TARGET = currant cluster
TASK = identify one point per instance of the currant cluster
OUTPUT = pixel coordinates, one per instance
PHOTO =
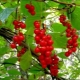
(44, 45)
(54, 65)
(19, 37)
(44, 49)
(19, 24)
(31, 8)
(71, 35)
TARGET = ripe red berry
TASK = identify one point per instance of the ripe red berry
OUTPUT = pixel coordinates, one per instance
(54, 56)
(42, 33)
(16, 38)
(70, 51)
(73, 31)
(68, 30)
(73, 49)
(23, 50)
(50, 42)
(37, 50)
(43, 49)
(63, 17)
(68, 35)
(17, 27)
(74, 38)
(33, 13)
(50, 48)
(44, 66)
(37, 38)
(48, 37)
(15, 22)
(13, 45)
(48, 53)
(54, 61)
(44, 38)
(43, 43)
(23, 25)
(54, 72)
(27, 6)
(37, 24)
(70, 41)
(31, 7)
(41, 57)
(75, 44)
(68, 25)
(19, 54)
(48, 60)
(21, 37)
(67, 54)
(37, 31)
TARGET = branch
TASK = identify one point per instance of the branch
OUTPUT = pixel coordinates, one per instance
(8, 34)
(71, 4)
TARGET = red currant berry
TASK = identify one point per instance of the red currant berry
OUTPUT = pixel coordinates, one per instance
(19, 54)
(37, 31)
(27, 6)
(50, 42)
(48, 53)
(67, 54)
(68, 25)
(23, 50)
(37, 38)
(15, 22)
(73, 49)
(68, 35)
(68, 30)
(48, 37)
(13, 45)
(70, 41)
(41, 57)
(21, 37)
(75, 44)
(16, 38)
(37, 24)
(31, 7)
(43, 43)
(43, 49)
(33, 13)
(23, 25)
(37, 50)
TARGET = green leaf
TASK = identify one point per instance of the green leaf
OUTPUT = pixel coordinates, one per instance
(14, 72)
(56, 27)
(10, 61)
(35, 69)
(59, 40)
(26, 60)
(62, 55)
(4, 14)
(75, 18)
(3, 47)
(31, 77)
(51, 4)
(67, 1)
(7, 78)
(30, 40)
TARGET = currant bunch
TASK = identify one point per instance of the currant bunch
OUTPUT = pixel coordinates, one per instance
(19, 24)
(44, 48)
(19, 37)
(54, 65)
(31, 9)
(71, 36)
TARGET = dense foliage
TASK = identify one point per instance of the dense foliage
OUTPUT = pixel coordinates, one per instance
(39, 39)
